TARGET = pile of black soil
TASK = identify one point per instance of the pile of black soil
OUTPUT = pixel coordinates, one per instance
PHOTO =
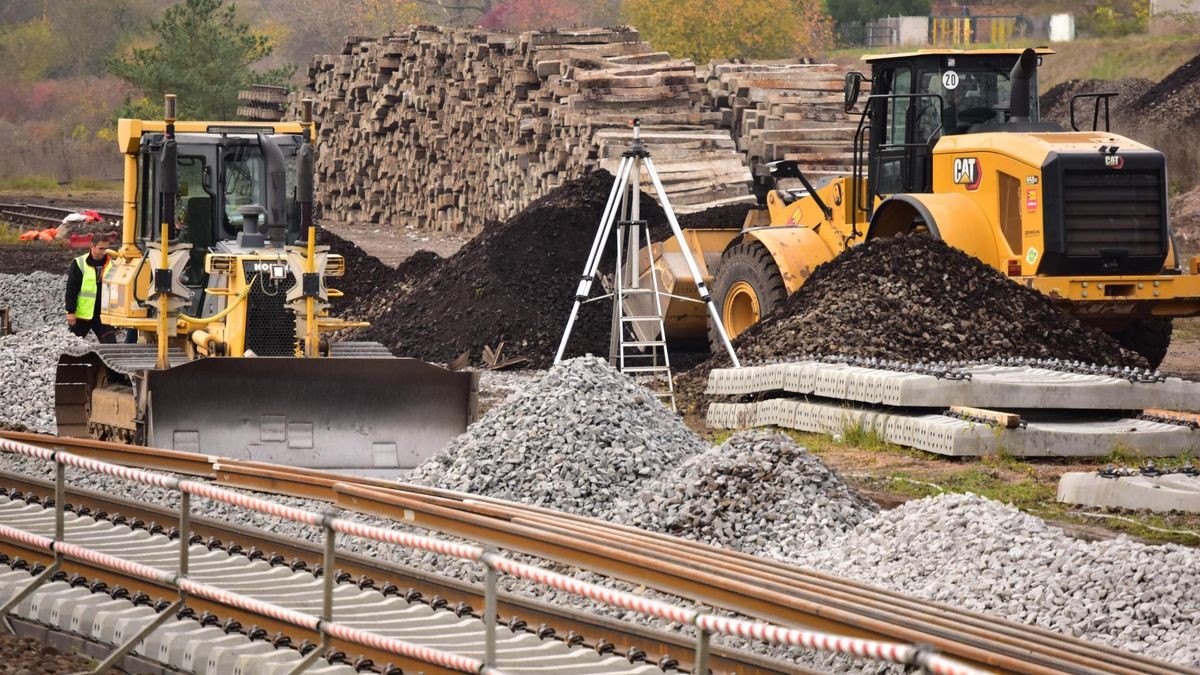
(1176, 97)
(513, 283)
(28, 257)
(731, 216)
(915, 299)
(366, 276)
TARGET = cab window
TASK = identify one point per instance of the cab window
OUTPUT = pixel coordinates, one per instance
(242, 182)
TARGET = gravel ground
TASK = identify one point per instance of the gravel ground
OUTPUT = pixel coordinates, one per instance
(578, 438)
(758, 493)
(29, 356)
(580, 435)
(27, 656)
(990, 557)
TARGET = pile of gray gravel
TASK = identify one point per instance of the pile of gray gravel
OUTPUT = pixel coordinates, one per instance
(28, 361)
(29, 357)
(579, 439)
(759, 493)
(982, 555)
(33, 299)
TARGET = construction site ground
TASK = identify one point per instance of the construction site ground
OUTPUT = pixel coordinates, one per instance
(892, 475)
(889, 474)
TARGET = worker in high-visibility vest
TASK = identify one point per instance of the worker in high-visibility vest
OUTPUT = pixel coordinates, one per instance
(85, 280)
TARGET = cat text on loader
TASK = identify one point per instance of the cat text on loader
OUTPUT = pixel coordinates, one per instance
(950, 143)
(219, 273)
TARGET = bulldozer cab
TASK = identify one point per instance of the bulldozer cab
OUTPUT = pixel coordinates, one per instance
(218, 173)
(918, 98)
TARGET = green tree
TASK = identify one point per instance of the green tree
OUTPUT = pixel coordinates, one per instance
(204, 56)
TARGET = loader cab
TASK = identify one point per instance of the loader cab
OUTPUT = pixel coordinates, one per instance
(218, 174)
(919, 97)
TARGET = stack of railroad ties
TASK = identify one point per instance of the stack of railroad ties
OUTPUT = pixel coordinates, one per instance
(1023, 407)
(864, 621)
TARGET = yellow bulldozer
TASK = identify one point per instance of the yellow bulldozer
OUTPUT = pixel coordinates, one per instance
(219, 274)
(951, 143)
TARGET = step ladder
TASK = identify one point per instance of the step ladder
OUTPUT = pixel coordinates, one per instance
(638, 346)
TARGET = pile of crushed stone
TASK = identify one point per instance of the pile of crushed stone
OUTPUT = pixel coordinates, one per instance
(758, 492)
(579, 439)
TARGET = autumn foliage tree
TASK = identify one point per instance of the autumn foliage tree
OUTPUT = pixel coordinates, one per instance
(724, 29)
(532, 15)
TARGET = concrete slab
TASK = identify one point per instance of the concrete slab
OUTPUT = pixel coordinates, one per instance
(952, 436)
(1172, 492)
(1003, 387)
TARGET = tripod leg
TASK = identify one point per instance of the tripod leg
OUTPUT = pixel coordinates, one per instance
(593, 263)
(691, 262)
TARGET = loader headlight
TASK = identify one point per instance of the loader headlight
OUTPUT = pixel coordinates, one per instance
(335, 265)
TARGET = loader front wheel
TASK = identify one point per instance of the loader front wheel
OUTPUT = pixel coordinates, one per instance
(1149, 337)
(746, 288)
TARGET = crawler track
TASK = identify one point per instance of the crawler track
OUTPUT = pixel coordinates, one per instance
(758, 588)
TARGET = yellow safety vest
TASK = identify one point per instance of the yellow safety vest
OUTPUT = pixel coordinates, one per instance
(85, 305)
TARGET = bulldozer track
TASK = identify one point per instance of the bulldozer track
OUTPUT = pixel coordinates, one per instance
(762, 589)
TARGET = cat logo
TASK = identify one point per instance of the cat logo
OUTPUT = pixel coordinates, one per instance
(1114, 161)
(966, 172)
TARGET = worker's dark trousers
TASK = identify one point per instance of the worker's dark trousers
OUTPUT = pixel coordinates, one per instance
(105, 334)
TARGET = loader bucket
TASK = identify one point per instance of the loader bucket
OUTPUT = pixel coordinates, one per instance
(367, 416)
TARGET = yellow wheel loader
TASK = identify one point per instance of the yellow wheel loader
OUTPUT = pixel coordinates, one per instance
(950, 143)
(219, 274)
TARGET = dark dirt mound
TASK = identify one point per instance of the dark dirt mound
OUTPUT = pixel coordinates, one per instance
(366, 275)
(36, 256)
(1055, 104)
(718, 217)
(1176, 96)
(512, 283)
(915, 299)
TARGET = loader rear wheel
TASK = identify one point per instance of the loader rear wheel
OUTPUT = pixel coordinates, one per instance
(747, 287)
(1149, 337)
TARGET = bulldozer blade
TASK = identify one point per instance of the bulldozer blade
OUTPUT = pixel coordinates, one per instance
(368, 416)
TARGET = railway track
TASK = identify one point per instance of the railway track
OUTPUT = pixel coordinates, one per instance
(43, 215)
(757, 588)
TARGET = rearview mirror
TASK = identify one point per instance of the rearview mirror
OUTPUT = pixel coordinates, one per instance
(854, 80)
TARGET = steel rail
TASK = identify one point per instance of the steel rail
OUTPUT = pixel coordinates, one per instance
(707, 623)
(764, 589)
(596, 631)
(787, 578)
(968, 635)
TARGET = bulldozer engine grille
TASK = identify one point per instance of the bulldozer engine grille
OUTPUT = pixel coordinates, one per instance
(270, 326)
(1105, 215)
(1110, 209)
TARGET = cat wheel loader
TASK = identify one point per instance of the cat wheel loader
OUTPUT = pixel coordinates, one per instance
(950, 143)
(219, 274)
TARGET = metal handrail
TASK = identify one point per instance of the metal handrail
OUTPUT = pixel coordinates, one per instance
(706, 624)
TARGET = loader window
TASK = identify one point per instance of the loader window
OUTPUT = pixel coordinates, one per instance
(242, 182)
(890, 158)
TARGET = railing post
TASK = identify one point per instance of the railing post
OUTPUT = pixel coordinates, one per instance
(60, 504)
(701, 665)
(185, 524)
(490, 609)
(328, 579)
